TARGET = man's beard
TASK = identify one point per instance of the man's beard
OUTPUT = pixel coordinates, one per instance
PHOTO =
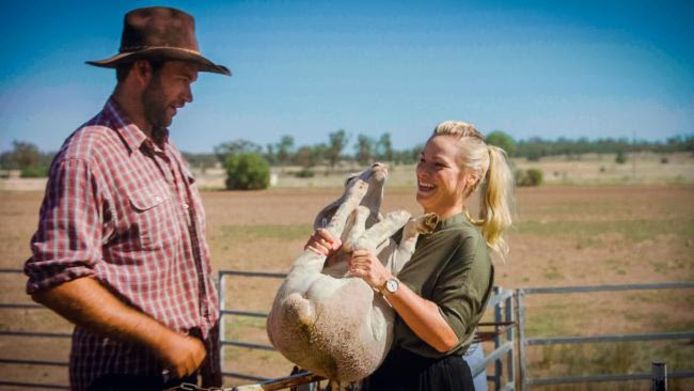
(155, 110)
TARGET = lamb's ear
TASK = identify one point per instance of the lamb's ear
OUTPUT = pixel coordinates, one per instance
(323, 217)
(351, 177)
(427, 223)
(422, 224)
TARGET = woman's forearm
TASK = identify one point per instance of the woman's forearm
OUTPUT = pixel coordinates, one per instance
(424, 318)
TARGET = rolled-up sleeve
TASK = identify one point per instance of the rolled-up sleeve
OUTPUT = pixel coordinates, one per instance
(67, 243)
(461, 287)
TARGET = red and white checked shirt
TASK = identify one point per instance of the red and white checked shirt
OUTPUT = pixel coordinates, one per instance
(126, 212)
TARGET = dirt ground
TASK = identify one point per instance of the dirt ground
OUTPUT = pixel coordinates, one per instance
(565, 235)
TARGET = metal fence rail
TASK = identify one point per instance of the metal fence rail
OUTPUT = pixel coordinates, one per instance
(502, 303)
(509, 340)
(224, 311)
(30, 334)
(562, 340)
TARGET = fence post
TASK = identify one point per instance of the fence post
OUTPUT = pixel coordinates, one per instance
(659, 376)
(222, 327)
(520, 316)
(498, 367)
(508, 315)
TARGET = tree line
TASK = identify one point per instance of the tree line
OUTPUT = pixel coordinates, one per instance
(536, 148)
(365, 149)
(286, 152)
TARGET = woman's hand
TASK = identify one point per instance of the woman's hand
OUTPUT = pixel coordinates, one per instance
(323, 243)
(366, 265)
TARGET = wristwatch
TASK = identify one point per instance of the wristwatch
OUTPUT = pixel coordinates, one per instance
(390, 287)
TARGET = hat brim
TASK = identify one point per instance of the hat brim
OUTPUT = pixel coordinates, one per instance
(162, 53)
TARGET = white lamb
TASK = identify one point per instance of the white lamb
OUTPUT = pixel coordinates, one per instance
(333, 325)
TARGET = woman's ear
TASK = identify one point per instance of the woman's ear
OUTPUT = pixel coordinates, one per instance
(470, 181)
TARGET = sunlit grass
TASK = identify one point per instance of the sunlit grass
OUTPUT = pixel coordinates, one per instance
(632, 230)
(264, 231)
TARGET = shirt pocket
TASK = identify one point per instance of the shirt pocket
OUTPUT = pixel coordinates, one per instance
(154, 218)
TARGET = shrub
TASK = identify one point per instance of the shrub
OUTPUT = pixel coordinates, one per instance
(529, 177)
(247, 171)
(534, 156)
(34, 172)
(305, 173)
(621, 157)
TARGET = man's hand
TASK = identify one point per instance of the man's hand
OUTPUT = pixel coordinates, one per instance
(180, 354)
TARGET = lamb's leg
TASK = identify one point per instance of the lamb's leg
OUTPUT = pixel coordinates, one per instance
(358, 228)
(378, 234)
(415, 226)
(309, 262)
(336, 265)
(354, 196)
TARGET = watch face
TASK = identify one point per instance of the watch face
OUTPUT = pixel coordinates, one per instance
(392, 285)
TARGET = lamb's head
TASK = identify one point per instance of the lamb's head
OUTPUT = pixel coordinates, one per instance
(375, 177)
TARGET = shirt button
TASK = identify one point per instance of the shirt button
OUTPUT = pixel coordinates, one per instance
(185, 206)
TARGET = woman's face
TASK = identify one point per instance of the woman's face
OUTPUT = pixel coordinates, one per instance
(440, 180)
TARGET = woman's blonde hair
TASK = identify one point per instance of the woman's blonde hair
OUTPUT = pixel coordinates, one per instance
(490, 166)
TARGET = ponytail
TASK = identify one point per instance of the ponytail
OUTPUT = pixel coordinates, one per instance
(496, 201)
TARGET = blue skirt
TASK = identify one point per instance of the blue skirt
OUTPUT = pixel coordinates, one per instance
(403, 370)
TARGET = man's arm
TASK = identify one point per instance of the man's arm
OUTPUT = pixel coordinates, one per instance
(89, 304)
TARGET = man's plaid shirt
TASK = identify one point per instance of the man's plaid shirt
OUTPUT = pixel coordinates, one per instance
(125, 211)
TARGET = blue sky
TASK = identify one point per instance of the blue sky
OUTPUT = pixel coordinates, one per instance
(307, 68)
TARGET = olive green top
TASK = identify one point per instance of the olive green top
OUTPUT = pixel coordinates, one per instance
(452, 268)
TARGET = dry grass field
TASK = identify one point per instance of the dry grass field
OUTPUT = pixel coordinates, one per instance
(565, 235)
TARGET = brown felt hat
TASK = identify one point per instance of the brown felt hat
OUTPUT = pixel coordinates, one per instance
(159, 33)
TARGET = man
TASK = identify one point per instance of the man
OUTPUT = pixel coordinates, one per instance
(120, 248)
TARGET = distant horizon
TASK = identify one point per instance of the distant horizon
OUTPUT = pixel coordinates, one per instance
(618, 69)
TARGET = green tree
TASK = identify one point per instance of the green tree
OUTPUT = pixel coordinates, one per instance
(621, 157)
(247, 171)
(502, 140)
(384, 148)
(23, 155)
(338, 141)
(285, 149)
(306, 157)
(270, 155)
(201, 161)
(224, 150)
(364, 149)
(28, 158)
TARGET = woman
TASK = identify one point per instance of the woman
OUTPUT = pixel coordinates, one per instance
(442, 292)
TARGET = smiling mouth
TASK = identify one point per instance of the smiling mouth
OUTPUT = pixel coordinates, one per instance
(425, 187)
